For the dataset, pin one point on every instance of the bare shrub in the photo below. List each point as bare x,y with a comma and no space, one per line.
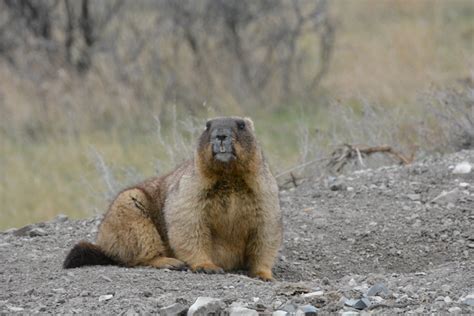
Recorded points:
448,122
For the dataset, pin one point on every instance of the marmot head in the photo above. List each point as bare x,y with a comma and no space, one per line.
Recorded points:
228,146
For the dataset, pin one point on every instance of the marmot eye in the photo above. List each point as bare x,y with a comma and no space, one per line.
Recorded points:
208,125
241,125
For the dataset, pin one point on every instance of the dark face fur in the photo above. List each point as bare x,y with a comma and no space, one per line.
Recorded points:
227,143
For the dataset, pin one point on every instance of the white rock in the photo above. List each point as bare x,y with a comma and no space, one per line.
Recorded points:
242,311
463,184
313,294
455,310
105,297
205,306
462,168
280,313
15,309
350,313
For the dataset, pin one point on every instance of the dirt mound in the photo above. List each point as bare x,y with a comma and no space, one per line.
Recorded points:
407,230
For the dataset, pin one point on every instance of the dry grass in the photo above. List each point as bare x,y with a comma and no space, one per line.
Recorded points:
68,142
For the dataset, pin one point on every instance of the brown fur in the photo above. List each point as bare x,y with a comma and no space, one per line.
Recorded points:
206,214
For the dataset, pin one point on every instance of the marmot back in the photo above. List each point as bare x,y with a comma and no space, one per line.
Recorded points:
216,212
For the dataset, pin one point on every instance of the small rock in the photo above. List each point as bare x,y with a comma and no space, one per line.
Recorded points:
61,218
468,300
290,308
378,289
447,197
338,185
307,310
174,309
280,313
85,293
464,184
455,310
414,197
106,297
462,168
352,282
313,294
15,309
29,230
241,311
362,303
205,306
350,313
447,300
358,304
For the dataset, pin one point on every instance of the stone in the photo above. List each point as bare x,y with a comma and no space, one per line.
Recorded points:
307,310
61,218
337,185
15,308
378,289
206,305
290,308
29,231
462,168
468,300
241,311
350,313
174,309
447,197
280,313
312,294
455,310
359,304
106,297
414,197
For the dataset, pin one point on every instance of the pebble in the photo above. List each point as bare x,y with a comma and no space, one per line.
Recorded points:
206,306
378,289
241,311
280,313
338,185
174,309
15,309
290,308
414,197
61,218
455,310
313,294
462,168
447,197
307,310
30,231
468,300
105,297
350,313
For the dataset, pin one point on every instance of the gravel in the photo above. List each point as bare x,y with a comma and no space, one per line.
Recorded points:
400,240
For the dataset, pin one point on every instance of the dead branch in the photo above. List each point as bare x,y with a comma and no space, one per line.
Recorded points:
345,153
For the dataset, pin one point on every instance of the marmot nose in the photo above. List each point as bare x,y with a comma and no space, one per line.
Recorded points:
221,137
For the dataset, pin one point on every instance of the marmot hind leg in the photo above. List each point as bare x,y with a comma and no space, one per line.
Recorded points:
129,234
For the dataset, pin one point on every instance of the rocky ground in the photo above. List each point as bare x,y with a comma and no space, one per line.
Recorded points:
391,240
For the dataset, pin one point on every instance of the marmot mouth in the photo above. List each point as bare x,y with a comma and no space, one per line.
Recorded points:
224,156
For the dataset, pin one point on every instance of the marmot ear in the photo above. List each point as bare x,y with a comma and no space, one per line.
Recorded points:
249,123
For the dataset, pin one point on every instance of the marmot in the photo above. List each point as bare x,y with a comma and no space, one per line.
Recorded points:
216,212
